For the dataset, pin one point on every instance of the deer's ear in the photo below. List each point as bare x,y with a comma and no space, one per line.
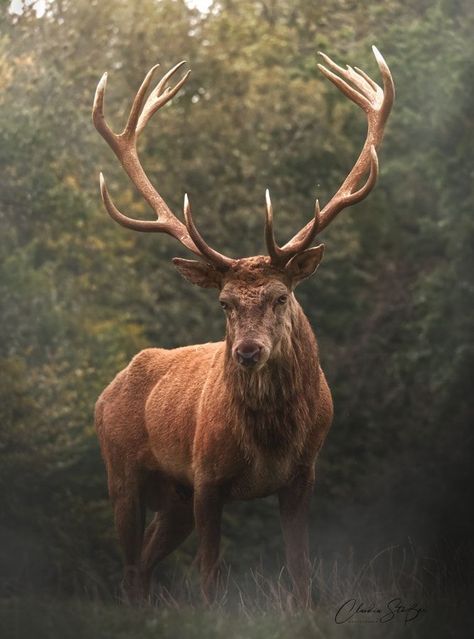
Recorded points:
199,273
304,264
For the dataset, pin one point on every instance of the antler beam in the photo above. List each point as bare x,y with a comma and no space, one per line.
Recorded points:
377,103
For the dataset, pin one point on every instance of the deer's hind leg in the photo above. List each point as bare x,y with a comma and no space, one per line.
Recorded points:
129,514
171,525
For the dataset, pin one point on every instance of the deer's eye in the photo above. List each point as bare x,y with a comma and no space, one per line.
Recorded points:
282,299
224,305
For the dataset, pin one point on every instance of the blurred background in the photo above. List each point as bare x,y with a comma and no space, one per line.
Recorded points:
391,304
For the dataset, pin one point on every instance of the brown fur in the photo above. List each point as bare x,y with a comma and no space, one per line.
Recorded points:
183,431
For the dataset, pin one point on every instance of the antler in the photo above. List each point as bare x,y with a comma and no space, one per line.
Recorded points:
124,145
377,103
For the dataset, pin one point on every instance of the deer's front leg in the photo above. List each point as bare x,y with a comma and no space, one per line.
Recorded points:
208,505
294,502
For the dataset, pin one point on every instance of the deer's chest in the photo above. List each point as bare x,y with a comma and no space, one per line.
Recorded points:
263,474
270,444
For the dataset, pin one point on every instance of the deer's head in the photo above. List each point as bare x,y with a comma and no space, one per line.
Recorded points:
256,293
257,299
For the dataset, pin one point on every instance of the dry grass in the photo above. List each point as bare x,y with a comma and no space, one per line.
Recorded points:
259,606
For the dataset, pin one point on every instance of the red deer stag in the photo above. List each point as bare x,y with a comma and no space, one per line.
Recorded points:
183,431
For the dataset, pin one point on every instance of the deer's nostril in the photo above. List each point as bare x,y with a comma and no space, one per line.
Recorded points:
249,354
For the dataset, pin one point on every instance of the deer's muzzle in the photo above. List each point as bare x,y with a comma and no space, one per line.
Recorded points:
248,353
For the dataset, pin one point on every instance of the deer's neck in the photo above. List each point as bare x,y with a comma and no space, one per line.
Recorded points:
273,404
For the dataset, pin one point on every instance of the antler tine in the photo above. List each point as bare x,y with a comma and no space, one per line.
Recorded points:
344,87
388,85
219,260
280,255
98,117
360,81
366,77
274,251
364,190
124,147
357,196
137,225
157,98
130,127
147,226
298,246
377,104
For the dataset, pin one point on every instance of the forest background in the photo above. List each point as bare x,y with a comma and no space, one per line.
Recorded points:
391,303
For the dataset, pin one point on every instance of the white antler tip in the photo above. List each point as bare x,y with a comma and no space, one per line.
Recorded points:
378,56
267,197
101,180
186,201
99,92
103,81
325,57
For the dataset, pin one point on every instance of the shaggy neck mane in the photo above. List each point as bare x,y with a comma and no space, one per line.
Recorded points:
274,404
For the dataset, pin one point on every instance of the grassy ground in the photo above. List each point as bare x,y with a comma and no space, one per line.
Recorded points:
258,607
81,619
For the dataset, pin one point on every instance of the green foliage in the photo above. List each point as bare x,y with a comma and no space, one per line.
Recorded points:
80,295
